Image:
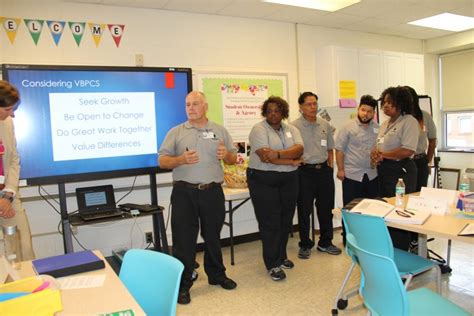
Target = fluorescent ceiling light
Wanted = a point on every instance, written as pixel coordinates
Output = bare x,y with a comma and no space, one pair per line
446,21
324,5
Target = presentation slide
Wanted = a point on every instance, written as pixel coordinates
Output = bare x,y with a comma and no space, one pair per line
87,120
97,125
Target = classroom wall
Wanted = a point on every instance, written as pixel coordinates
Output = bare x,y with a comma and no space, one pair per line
204,43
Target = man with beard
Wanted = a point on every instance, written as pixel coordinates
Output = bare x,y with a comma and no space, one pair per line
354,142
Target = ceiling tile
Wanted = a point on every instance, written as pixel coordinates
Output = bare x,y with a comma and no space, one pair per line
336,20
249,8
296,14
201,6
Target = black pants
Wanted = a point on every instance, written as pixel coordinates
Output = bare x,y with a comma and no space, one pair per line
352,189
316,188
422,173
389,172
193,208
273,196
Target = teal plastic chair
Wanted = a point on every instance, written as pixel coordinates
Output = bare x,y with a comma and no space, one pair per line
372,234
384,293
153,279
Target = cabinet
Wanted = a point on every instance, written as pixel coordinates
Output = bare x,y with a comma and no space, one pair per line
373,71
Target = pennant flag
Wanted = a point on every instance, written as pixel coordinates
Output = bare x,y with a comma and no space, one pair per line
116,30
96,30
77,29
34,27
11,27
56,28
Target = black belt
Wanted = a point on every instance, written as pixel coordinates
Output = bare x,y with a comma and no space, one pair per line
314,165
420,156
397,161
199,186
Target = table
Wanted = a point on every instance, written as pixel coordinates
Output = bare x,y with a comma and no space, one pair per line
232,195
113,296
447,226
160,240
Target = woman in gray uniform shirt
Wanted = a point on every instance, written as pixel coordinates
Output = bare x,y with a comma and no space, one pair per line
426,141
396,144
272,179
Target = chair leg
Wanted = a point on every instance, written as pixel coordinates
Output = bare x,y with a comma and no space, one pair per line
438,278
339,295
408,280
448,256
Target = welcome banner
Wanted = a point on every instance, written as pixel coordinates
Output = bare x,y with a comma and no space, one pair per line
56,28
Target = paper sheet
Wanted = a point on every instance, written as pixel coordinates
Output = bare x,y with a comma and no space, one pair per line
82,282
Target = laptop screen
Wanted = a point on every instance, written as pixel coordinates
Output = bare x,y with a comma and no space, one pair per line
95,198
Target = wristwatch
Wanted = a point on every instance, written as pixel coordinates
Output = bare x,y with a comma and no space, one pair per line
7,195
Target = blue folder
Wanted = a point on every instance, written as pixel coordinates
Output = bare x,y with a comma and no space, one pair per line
67,264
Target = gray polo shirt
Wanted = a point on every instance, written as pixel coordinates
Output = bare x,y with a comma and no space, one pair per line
205,141
402,133
263,135
317,138
356,140
427,132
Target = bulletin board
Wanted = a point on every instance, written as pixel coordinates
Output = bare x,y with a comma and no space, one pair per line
235,100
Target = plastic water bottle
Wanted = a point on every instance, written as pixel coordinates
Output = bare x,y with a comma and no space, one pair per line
399,193
464,189
464,185
12,245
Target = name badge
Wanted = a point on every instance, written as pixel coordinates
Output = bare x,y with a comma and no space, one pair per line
376,130
324,142
2,179
208,135
288,134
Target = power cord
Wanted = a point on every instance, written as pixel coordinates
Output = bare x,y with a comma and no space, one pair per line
130,191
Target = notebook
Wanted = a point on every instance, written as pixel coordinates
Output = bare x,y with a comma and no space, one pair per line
97,202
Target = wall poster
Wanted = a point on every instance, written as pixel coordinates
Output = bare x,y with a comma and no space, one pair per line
235,100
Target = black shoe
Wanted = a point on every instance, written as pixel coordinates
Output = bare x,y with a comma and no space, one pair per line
331,249
287,264
226,283
184,297
277,274
304,253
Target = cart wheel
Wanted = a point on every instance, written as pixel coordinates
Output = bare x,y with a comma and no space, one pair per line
342,304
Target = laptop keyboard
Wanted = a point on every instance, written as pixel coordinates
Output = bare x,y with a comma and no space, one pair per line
99,215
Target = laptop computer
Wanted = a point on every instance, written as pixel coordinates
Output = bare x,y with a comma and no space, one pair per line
97,202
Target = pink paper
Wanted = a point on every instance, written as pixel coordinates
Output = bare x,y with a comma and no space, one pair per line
347,103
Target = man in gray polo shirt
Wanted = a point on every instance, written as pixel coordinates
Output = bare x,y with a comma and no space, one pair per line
354,142
316,182
194,151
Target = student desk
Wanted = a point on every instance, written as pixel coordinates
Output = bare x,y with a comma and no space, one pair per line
447,226
232,195
113,296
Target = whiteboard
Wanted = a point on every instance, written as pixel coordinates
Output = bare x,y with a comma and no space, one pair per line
425,105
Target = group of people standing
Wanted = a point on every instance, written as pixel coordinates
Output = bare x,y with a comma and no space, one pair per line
291,165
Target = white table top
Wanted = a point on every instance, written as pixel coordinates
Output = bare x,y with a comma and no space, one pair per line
232,194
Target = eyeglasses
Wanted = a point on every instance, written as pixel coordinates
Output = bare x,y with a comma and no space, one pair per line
404,213
315,104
